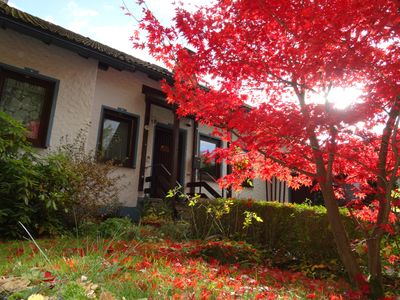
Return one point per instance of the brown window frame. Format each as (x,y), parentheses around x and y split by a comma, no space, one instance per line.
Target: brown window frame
(217,172)
(120,116)
(50,86)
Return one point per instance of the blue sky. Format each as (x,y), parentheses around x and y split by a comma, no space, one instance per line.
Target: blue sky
(101,20)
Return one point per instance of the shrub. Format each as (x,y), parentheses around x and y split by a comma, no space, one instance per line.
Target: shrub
(176,231)
(159,213)
(33,190)
(301,231)
(46,193)
(156,212)
(116,227)
(119,228)
(94,186)
(227,252)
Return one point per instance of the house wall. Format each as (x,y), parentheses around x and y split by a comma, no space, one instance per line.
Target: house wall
(122,89)
(77,76)
(84,89)
(257,192)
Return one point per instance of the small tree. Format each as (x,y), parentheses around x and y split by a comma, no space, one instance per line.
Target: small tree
(280,56)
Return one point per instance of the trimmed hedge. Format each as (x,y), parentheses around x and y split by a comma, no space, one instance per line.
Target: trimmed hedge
(296,229)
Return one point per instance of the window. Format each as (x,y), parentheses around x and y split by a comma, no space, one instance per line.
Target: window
(28,99)
(207,145)
(118,134)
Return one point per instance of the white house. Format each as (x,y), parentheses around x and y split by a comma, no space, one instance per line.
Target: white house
(56,82)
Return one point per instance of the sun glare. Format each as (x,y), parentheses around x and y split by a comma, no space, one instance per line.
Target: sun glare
(344,97)
(339,96)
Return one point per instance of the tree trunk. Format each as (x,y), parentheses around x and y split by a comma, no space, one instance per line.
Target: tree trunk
(386,183)
(375,268)
(340,235)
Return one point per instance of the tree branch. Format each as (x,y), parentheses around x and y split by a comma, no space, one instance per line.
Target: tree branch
(277,160)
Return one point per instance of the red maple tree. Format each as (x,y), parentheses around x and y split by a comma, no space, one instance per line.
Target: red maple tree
(278,56)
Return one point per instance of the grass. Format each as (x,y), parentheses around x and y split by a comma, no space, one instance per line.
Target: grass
(156,268)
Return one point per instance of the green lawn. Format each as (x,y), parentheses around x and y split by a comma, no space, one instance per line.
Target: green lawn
(155,269)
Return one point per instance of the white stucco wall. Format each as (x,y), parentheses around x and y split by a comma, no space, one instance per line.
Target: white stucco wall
(122,89)
(77,76)
(257,192)
(84,89)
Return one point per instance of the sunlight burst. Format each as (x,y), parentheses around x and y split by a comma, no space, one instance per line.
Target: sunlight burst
(344,97)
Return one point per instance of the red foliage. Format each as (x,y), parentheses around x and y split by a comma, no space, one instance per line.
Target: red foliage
(48,277)
(270,55)
(279,57)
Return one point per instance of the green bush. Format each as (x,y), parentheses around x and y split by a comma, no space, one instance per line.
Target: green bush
(115,227)
(299,231)
(49,193)
(33,190)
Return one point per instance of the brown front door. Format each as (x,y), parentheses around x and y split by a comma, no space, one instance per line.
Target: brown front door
(162,160)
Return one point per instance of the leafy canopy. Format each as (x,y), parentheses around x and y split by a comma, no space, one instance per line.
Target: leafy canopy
(279,56)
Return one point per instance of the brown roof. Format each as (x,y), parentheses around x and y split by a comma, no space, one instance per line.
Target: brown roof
(50,33)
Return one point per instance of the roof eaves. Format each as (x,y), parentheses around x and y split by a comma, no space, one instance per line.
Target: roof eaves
(114,58)
(51,39)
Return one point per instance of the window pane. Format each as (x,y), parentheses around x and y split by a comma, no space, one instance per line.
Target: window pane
(207,146)
(115,140)
(24,102)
